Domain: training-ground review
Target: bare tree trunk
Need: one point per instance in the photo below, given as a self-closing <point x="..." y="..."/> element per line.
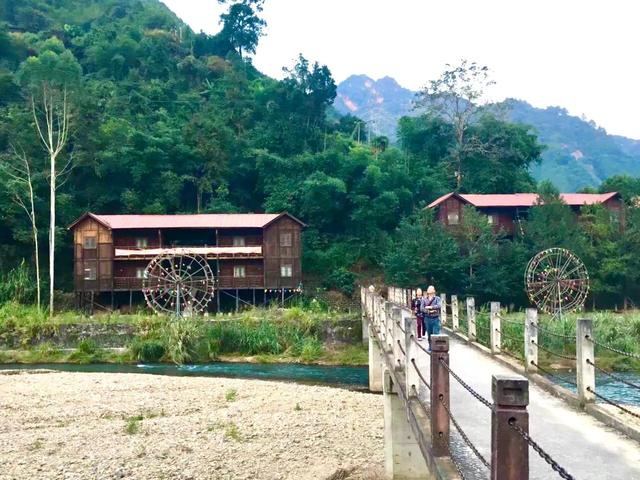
<point x="22" y="176"/>
<point x="52" y="233"/>
<point x="54" y="139"/>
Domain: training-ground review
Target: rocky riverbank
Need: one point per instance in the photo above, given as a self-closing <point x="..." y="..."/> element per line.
<point x="79" y="425"/>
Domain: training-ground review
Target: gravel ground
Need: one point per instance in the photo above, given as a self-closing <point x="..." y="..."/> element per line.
<point x="102" y="425"/>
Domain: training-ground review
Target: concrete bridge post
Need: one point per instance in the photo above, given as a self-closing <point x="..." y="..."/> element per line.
<point x="439" y="395"/>
<point x="411" y="376"/>
<point x="402" y="456"/>
<point x="388" y="335"/>
<point x="531" y="340"/>
<point x="494" y="328"/>
<point x="366" y="318"/>
<point x="396" y="318"/>
<point x="443" y="311"/>
<point x="585" y="353"/>
<point x="407" y="318"/>
<point x="509" y="450"/>
<point x="471" y="319"/>
<point x="455" y="318"/>
<point x="375" y="363"/>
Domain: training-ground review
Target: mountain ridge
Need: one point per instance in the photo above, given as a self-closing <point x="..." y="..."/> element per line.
<point x="579" y="154"/>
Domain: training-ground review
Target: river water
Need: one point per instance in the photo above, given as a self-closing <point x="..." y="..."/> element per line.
<point x="340" y="376"/>
<point x="606" y="386"/>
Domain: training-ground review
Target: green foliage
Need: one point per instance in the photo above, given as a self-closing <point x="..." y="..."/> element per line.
<point x="148" y="350"/>
<point x="342" y="280"/>
<point x="18" y="285"/>
<point x="230" y="395"/>
<point x="182" y="338"/>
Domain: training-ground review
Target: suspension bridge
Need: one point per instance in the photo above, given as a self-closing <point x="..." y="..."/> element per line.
<point x="463" y="411"/>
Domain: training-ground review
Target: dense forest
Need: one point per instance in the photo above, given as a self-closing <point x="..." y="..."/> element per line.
<point x="162" y="119"/>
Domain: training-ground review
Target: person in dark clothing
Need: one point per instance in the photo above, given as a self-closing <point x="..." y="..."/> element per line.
<point x="430" y="307"/>
<point x="416" y="304"/>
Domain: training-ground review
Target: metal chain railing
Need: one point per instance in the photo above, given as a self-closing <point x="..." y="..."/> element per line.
<point x="567" y="357"/>
<point x="538" y="449"/>
<point x="611" y="402"/>
<point x="615" y="377"/>
<point x="400" y="327"/>
<point x="612" y="349"/>
<point x="421" y="347"/>
<point x="475" y="394"/>
<point x="401" y="349"/>
<point x="464" y="435"/>
<point x="424" y="380"/>
<point x="554" y="375"/>
<point x="552" y="333"/>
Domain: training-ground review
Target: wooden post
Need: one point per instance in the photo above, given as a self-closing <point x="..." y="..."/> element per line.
<point x="494" y="327"/>
<point x="443" y="310"/>
<point x="455" y="318"/>
<point x="439" y="394"/>
<point x="585" y="358"/>
<point x="531" y="340"/>
<point x="471" y="318"/>
<point x="509" y="450"/>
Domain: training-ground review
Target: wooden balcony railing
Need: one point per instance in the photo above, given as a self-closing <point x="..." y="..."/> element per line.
<point x="224" y="282"/>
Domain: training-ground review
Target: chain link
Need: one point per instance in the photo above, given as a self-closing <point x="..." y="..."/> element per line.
<point x="400" y="327"/>
<point x="611" y="402"/>
<point x="538" y="449"/>
<point x="552" y="352"/>
<point x="420" y="346"/>
<point x="427" y="384"/>
<point x="553" y="334"/>
<point x="553" y="374"/>
<point x="614" y="350"/>
<point x="464" y="435"/>
<point x="478" y="397"/>
<point x="619" y="379"/>
<point x="401" y="349"/>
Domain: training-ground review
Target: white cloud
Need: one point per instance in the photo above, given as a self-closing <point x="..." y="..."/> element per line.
<point x="579" y="54"/>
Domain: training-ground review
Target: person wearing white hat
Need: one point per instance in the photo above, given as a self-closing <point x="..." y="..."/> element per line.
<point x="431" y="306"/>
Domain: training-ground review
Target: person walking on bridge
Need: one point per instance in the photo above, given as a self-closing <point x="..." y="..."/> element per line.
<point x="430" y="306"/>
<point x="416" y="305"/>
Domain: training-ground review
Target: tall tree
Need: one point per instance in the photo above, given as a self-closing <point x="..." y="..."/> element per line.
<point x="457" y="96"/>
<point x="20" y="185"/>
<point x="49" y="79"/>
<point x="242" y="27"/>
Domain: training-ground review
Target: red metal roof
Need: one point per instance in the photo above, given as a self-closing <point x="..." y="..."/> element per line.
<point x="524" y="199"/>
<point x="216" y="220"/>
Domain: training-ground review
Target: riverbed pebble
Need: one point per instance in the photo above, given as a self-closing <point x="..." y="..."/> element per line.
<point x="136" y="426"/>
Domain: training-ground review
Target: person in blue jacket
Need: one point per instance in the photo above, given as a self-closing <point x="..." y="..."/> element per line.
<point x="430" y="307"/>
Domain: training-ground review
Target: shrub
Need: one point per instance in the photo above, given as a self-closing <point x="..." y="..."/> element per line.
<point x="18" y="285"/>
<point x="87" y="346"/>
<point x="183" y="338"/>
<point x="341" y="279"/>
<point x="149" y="350"/>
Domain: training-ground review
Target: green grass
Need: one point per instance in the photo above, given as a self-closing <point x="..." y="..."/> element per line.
<point x="232" y="432"/>
<point x="133" y="424"/>
<point x="261" y="334"/>
<point x="618" y="330"/>
<point x="231" y="395"/>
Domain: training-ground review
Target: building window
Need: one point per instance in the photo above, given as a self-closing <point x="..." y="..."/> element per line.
<point x="285" y="239"/>
<point x="238" y="241"/>
<point x="491" y="220"/>
<point x="453" y="218"/>
<point x="286" y="271"/>
<point x="90" y="273"/>
<point x="142" y="242"/>
<point x="89" y="243"/>
<point x="140" y="272"/>
<point x="239" y="272"/>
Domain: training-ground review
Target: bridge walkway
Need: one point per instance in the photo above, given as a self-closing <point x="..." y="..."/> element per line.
<point x="584" y="446"/>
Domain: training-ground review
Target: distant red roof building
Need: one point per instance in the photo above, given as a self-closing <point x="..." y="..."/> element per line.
<point x="504" y="211"/>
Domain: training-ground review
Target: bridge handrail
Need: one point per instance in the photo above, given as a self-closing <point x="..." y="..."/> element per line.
<point x="402" y="345"/>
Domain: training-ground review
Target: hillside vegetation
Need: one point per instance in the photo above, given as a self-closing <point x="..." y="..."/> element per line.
<point x="166" y="120"/>
<point x="577" y="153"/>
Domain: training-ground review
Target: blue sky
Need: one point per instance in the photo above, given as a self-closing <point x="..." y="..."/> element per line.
<point x="581" y="55"/>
